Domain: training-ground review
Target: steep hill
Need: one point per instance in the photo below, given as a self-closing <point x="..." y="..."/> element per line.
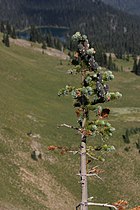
<point x="30" y="112"/>
<point x="27" y="90"/>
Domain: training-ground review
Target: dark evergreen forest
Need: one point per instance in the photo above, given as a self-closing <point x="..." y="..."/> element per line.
<point x="108" y="29"/>
<point x="130" y="6"/>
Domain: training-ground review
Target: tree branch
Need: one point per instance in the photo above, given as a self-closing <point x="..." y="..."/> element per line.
<point x="91" y="156"/>
<point x="68" y="126"/>
<point x="102" y="205"/>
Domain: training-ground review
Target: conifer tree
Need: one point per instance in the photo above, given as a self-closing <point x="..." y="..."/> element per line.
<point x="138" y="68"/>
<point x="6" y="39"/>
<point x="13" y="33"/>
<point x="33" y="34"/>
<point x="7" y="42"/>
<point x="50" y="40"/>
<point x="3" y="40"/>
<point x="88" y="98"/>
<point x="110" y="63"/>
<point x="44" y="45"/>
<point x="135" y="66"/>
<point x="8" y="28"/>
<point x="2" y="27"/>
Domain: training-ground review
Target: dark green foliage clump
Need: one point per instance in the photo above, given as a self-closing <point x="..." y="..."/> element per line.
<point x="136" y="66"/>
<point x="128" y="134"/>
<point x="126" y="137"/>
<point x="6" y="40"/>
<point x="94" y="90"/>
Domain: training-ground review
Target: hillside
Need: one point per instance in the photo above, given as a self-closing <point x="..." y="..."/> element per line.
<point x="37" y="47"/>
<point x="113" y="29"/>
<point x="132" y="7"/>
<point x="29" y="83"/>
<point x="28" y="77"/>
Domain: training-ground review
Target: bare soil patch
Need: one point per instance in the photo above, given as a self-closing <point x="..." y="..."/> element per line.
<point x="32" y="46"/>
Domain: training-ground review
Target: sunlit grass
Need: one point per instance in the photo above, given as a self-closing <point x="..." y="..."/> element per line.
<point x="29" y="82"/>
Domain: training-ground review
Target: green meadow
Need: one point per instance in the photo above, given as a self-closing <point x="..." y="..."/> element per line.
<point x="29" y="82"/>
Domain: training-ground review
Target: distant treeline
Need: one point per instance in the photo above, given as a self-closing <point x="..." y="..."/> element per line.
<point x="47" y="40"/>
<point x="109" y="29"/>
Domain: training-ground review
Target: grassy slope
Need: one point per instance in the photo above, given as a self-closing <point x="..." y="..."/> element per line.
<point x="29" y="82"/>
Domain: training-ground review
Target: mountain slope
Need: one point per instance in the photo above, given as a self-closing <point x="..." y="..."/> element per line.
<point x="132" y="7"/>
<point x="29" y="83"/>
<point x="26" y="183"/>
<point x="61" y="12"/>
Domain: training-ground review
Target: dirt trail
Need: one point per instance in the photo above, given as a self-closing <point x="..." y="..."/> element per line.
<point x="49" y="51"/>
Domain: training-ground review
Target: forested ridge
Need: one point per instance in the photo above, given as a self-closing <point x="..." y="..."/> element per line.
<point x="111" y="29"/>
<point x="132" y="7"/>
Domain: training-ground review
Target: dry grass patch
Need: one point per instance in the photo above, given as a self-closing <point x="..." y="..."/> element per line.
<point x="57" y="197"/>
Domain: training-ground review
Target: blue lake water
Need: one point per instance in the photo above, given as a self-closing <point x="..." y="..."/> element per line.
<point x="60" y="33"/>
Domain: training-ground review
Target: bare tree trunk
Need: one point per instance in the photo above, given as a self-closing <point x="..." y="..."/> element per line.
<point x="84" y="201"/>
<point x="84" y="204"/>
